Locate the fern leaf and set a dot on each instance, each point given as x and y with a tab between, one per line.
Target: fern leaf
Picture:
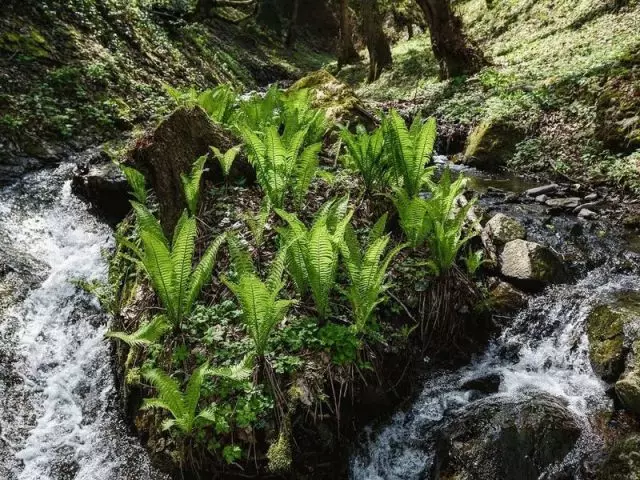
202	273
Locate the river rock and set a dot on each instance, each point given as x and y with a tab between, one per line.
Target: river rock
485	384
530	263
19	273
622	461
170	150
587	214
104	187
544	189
498	438
628	391
492	143
591	197
542	198
563	203
505	298
503	229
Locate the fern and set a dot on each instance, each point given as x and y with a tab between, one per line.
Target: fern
218	102
137	183
410	150
148	333
261	308
281	163
257	223
191	184
226	159
365	155
412	212
169	266
312	254
367	271
183	406
445	222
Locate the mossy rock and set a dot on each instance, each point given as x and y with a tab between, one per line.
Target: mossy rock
492	143
610	331
30	43
337	99
623	460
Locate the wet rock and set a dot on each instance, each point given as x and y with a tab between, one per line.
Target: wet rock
591	197
628	391
485	384
503	229
530	264
563	203
506	438
534	192
105	188
337	99
542	198
622	461
587	214
19	273
631	221
505	298
608	344
491	144
170	150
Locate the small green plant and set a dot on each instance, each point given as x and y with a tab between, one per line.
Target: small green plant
365	155
191	184
183	406
227	158
148	333
473	261
367	271
312	254
410	150
281	163
218	102
261	308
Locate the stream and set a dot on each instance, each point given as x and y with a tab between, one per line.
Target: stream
58	413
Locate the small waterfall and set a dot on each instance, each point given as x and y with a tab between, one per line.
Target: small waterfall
544	350
58	416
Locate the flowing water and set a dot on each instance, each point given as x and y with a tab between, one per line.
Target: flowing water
545	350
58	412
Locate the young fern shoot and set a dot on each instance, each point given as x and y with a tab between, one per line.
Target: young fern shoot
191	184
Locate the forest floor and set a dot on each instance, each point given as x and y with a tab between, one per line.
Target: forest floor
563	83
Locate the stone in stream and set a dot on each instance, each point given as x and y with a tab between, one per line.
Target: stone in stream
563	203
591	197
503	438
170	150
19	272
542	198
503	229
105	188
610	329
534	192
485	384
492	143
587	214
505	298
530	264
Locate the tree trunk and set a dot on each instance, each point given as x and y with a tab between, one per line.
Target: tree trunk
455	53
410	30
377	42
291	30
346	50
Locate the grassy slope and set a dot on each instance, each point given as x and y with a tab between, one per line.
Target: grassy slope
551	61
86	70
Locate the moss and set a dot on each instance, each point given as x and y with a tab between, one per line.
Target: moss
492	143
605	328
623	460
279	454
32	43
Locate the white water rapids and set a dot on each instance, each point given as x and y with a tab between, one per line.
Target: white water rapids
544	351
58	415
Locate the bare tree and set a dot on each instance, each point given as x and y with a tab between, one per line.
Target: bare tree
347	52
455	53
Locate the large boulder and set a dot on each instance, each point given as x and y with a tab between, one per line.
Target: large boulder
611	329
170	150
337	99
105	188
503	229
530	264
628	391
492	143
505	298
506	438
